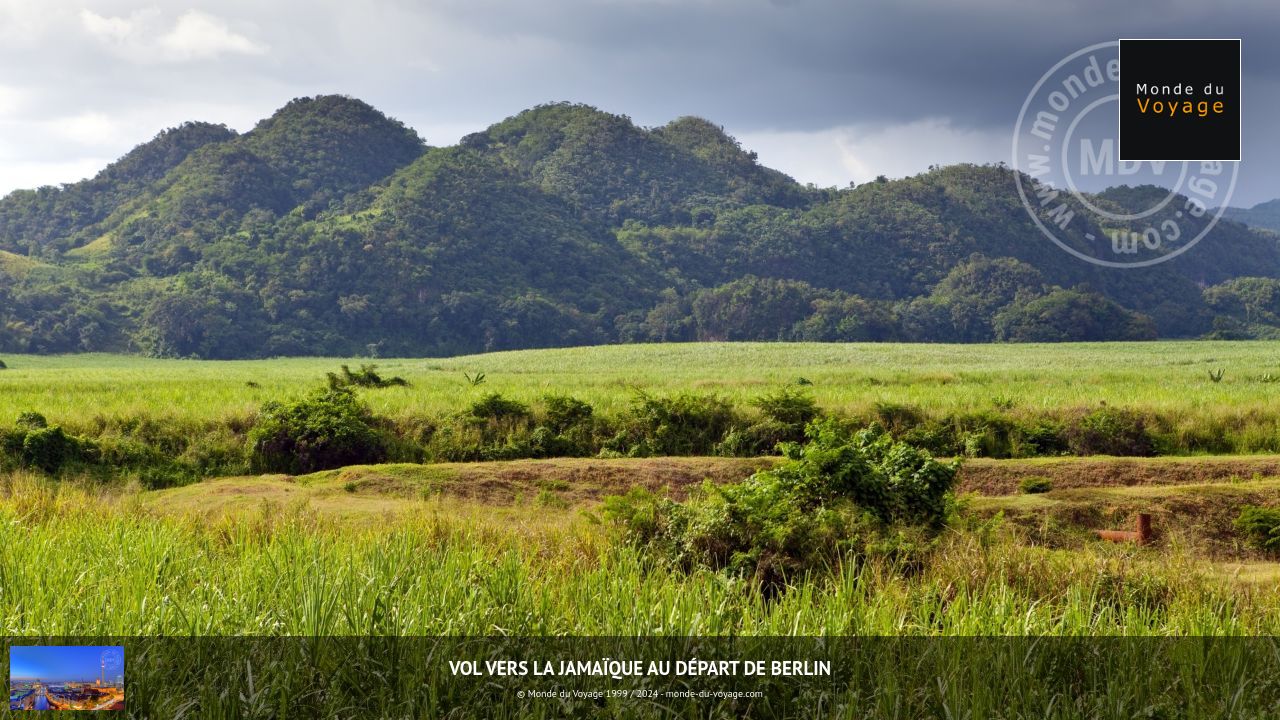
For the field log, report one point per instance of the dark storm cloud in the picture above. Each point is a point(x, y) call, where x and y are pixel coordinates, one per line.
point(810, 65)
point(81, 80)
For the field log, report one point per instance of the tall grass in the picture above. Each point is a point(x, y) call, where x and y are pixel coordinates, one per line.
point(75, 561)
point(1165, 376)
point(168, 422)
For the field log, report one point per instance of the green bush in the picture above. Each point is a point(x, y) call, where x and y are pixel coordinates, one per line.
point(684, 424)
point(788, 406)
point(50, 448)
point(34, 443)
point(327, 429)
point(985, 434)
point(1035, 484)
point(565, 413)
point(898, 417)
point(785, 415)
point(1042, 436)
point(32, 420)
point(1109, 431)
point(11, 446)
point(366, 377)
point(840, 492)
point(761, 438)
point(495, 407)
point(1260, 527)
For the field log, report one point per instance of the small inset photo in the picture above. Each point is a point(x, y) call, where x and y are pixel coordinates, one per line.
point(66, 677)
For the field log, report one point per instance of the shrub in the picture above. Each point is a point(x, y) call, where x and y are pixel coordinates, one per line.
point(32, 420)
point(898, 417)
point(1109, 431)
point(1035, 484)
point(565, 413)
point(760, 438)
point(11, 446)
point(1043, 436)
point(837, 493)
point(544, 442)
point(549, 499)
point(1260, 527)
point(328, 429)
point(49, 448)
point(684, 424)
point(984, 434)
point(366, 376)
point(788, 406)
point(785, 415)
point(495, 407)
point(3, 366)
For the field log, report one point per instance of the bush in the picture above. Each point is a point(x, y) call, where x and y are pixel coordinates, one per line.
point(3, 366)
point(1035, 484)
point(761, 438)
point(495, 407)
point(789, 407)
point(786, 413)
point(50, 448)
point(328, 429)
point(898, 417)
point(32, 420)
point(1260, 527)
point(565, 413)
point(838, 493)
point(684, 424)
point(11, 446)
point(34, 443)
point(1109, 431)
point(366, 377)
point(1043, 436)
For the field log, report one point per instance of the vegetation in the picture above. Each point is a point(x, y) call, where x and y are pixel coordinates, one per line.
point(854, 531)
point(167, 422)
point(168, 568)
point(836, 496)
point(1035, 484)
point(324, 430)
point(1263, 215)
point(330, 229)
point(1261, 527)
point(366, 377)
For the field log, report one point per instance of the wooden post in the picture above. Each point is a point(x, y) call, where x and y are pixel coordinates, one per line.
point(1144, 528)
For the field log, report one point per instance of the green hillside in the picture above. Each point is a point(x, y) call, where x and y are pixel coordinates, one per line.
point(331, 229)
point(1263, 215)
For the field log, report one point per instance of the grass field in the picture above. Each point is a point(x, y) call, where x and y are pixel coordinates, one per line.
point(520, 548)
point(269, 556)
point(1171, 377)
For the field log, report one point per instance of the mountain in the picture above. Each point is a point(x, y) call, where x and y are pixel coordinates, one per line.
point(31, 220)
point(1263, 215)
point(330, 228)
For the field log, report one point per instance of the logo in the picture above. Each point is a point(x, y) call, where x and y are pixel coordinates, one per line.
point(1101, 209)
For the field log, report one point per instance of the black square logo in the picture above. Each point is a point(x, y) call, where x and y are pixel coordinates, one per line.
point(1179, 100)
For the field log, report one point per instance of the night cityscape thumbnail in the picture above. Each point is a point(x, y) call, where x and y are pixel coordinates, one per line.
point(66, 677)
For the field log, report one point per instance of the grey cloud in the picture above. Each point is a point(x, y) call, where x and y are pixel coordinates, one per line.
point(755, 66)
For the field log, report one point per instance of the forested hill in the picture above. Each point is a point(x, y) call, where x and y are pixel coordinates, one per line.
point(331, 229)
point(1263, 215)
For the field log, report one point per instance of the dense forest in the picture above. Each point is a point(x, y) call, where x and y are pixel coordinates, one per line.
point(331, 229)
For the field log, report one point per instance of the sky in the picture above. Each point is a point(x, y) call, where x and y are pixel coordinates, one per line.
point(829, 91)
point(53, 663)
